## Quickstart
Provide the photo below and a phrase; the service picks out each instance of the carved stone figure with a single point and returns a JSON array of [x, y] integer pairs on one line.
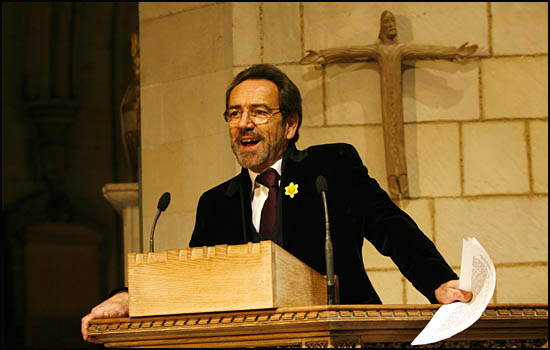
[[130, 112], [389, 54]]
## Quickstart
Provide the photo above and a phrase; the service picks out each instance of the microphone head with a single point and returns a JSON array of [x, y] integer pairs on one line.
[[321, 184], [164, 201]]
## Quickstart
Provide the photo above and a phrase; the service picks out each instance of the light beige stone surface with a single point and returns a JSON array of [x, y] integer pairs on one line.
[[184, 109], [511, 229], [281, 24], [522, 284], [388, 285], [185, 44], [413, 296], [209, 161], [432, 152], [538, 136], [368, 140], [515, 87], [441, 90], [151, 10], [163, 171], [173, 231], [246, 33], [185, 169], [310, 83], [372, 259], [495, 159], [189, 50], [353, 94], [519, 27], [236, 71], [340, 24], [421, 212], [329, 25], [152, 116]]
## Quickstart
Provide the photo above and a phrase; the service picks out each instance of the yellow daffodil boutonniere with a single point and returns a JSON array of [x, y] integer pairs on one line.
[[291, 189]]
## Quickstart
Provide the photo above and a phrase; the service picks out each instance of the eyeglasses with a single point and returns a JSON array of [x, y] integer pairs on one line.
[[258, 114]]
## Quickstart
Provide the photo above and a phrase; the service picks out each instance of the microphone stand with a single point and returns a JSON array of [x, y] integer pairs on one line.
[[151, 244], [329, 257], [322, 188], [161, 206]]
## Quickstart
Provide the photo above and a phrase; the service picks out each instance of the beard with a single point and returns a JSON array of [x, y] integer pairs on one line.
[[267, 154]]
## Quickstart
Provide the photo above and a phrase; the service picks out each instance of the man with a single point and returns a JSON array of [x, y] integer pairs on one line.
[[264, 114]]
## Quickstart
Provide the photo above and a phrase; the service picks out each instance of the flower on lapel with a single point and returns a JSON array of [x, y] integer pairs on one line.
[[291, 189]]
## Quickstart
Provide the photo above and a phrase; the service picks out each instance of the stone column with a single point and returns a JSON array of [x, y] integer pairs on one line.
[[124, 198], [51, 86]]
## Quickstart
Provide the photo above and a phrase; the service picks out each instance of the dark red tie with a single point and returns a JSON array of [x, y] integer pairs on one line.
[[270, 179]]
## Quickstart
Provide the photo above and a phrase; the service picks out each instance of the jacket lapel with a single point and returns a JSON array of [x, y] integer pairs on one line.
[[303, 214], [294, 207], [239, 192]]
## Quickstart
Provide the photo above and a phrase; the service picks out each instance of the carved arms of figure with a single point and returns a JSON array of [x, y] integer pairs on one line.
[[341, 55], [434, 51]]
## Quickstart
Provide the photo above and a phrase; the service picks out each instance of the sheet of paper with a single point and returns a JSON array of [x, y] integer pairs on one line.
[[477, 274]]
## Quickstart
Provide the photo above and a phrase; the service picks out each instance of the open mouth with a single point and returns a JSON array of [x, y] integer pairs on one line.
[[249, 141]]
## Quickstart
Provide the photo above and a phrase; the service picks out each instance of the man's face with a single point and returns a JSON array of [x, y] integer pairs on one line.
[[388, 25], [259, 146]]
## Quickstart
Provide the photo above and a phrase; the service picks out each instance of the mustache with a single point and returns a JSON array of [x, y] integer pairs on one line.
[[248, 133]]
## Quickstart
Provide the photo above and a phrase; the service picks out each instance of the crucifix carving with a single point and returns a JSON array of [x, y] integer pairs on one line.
[[389, 54]]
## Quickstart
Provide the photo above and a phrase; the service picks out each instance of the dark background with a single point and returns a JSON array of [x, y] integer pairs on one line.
[[65, 68]]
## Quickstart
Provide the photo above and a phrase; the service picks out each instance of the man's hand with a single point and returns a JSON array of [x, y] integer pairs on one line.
[[448, 293], [115, 306]]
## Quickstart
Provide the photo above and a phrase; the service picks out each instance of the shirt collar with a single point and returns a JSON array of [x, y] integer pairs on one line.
[[277, 166]]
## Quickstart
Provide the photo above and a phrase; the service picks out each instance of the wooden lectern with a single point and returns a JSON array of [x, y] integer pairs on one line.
[[257, 294], [221, 278]]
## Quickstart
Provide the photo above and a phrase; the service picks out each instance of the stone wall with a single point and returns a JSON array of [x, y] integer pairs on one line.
[[186, 57], [475, 130]]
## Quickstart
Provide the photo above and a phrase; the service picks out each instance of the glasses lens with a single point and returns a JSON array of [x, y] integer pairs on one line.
[[258, 115], [232, 115]]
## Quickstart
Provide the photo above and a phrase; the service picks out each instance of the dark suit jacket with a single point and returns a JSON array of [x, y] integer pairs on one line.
[[358, 208]]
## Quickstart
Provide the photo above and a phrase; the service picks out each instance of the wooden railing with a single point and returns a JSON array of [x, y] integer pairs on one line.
[[501, 325]]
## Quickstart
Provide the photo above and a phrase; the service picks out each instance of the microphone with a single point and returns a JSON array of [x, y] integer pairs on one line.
[[161, 206], [322, 188]]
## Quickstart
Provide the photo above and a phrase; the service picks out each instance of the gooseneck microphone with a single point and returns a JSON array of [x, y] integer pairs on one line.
[[161, 206], [322, 188]]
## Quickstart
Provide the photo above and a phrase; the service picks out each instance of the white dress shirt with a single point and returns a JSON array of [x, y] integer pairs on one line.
[[259, 194]]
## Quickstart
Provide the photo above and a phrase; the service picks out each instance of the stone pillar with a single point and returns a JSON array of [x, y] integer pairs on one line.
[[124, 198], [51, 86]]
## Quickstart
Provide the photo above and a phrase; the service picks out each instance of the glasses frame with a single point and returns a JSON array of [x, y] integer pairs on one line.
[[252, 116]]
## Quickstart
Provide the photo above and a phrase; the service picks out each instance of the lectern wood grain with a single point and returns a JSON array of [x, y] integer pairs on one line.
[[221, 278]]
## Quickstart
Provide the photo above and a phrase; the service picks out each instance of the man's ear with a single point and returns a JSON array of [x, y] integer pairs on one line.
[[291, 126]]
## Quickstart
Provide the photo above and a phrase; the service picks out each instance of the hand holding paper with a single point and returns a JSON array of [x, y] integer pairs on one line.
[[477, 274], [450, 292]]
